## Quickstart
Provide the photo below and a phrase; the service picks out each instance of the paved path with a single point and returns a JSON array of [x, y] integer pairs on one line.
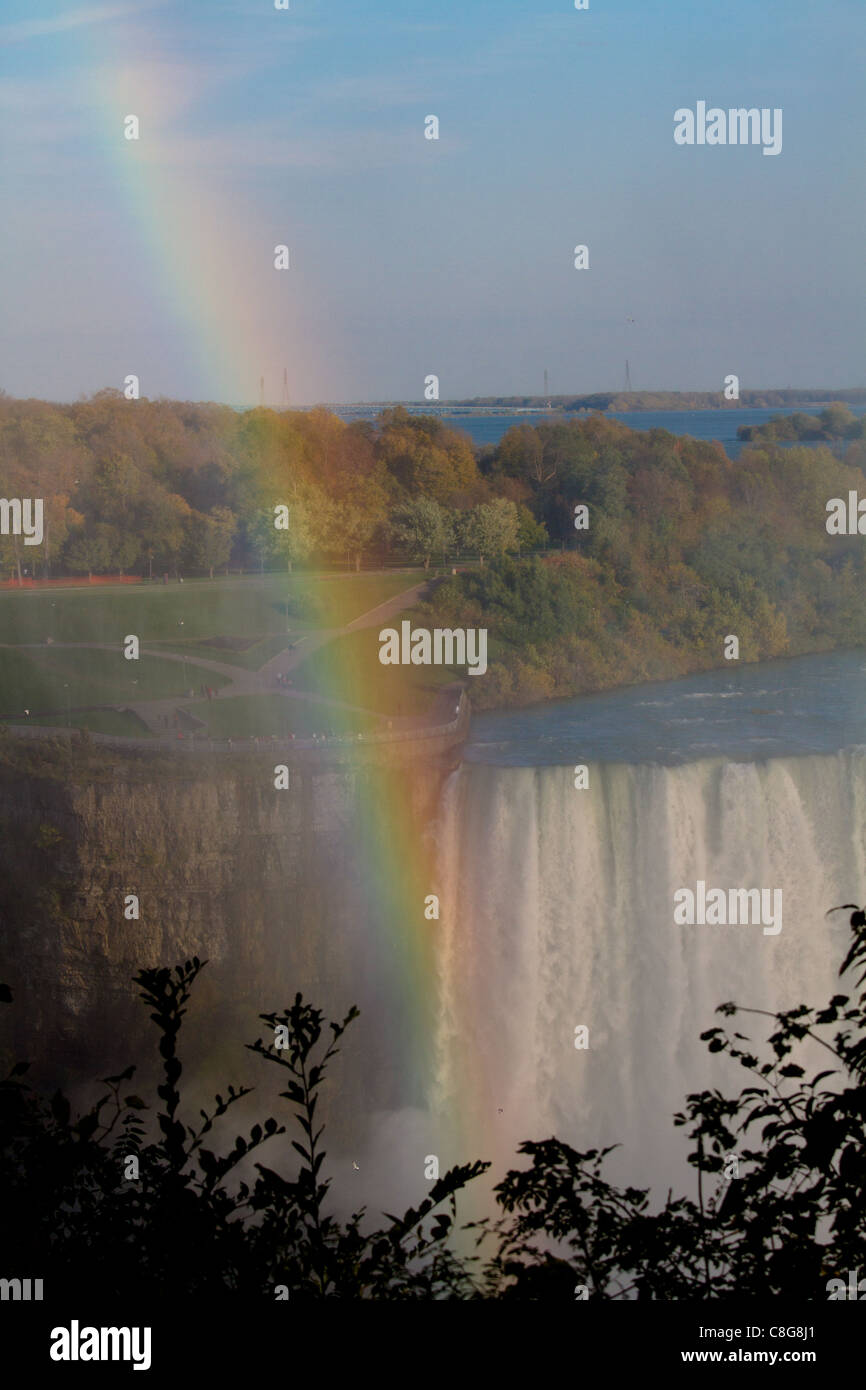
[[392, 606]]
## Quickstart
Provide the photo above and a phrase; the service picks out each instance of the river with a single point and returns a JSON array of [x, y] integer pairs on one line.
[[557, 902]]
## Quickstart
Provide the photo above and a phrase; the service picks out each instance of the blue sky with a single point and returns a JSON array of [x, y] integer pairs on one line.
[[412, 256]]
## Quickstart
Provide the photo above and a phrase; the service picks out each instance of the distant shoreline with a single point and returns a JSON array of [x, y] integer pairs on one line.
[[615, 402]]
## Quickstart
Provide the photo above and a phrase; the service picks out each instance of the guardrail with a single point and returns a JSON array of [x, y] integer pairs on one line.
[[195, 742]]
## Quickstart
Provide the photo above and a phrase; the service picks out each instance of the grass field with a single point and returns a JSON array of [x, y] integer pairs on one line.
[[50, 678], [98, 721], [248, 659], [350, 667], [262, 715], [238, 622], [197, 609]]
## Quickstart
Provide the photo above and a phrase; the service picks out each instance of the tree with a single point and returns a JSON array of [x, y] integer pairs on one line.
[[349, 524], [531, 534], [210, 538], [261, 536], [521, 454], [424, 457], [786, 1221], [285, 544], [89, 551], [123, 547], [423, 527], [198, 1222], [164, 519], [491, 528], [837, 420], [298, 540], [351, 528]]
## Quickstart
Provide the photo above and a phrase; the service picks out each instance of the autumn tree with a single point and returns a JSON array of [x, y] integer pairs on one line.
[[425, 457]]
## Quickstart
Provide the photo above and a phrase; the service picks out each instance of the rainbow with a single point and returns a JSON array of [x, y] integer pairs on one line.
[[209, 263], [212, 269]]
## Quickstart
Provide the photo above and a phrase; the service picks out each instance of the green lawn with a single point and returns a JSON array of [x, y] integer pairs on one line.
[[183, 620], [98, 721], [261, 715], [349, 668], [49, 678], [338, 601], [249, 659], [196, 609]]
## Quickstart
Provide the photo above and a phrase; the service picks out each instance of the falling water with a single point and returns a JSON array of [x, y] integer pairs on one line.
[[557, 911]]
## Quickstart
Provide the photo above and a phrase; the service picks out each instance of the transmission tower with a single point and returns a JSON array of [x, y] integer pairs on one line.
[[627, 386], [285, 388]]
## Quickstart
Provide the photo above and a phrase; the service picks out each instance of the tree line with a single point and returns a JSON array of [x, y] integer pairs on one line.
[[683, 546], [656, 545], [165, 486], [622, 401], [836, 421]]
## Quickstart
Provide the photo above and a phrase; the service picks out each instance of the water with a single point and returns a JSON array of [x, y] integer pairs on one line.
[[557, 903], [721, 425], [810, 704]]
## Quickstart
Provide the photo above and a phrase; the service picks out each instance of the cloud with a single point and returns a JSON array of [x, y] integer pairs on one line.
[[371, 90], [164, 88], [23, 29], [28, 96], [265, 145]]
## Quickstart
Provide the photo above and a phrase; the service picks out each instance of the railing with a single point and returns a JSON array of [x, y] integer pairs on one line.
[[196, 742]]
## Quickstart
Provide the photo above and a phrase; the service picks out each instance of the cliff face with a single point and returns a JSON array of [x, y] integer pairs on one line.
[[273, 888]]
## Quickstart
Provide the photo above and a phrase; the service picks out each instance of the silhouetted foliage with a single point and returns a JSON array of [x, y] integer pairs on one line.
[[202, 1220], [792, 1218], [196, 1220]]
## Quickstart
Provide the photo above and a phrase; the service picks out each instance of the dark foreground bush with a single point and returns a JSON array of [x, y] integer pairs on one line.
[[106, 1203]]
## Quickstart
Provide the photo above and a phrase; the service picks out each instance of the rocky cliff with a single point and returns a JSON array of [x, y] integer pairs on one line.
[[280, 890]]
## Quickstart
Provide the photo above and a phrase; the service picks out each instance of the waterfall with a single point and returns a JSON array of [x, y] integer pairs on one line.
[[557, 911]]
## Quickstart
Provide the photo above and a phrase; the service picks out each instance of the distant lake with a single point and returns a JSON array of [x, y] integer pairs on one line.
[[702, 424]]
